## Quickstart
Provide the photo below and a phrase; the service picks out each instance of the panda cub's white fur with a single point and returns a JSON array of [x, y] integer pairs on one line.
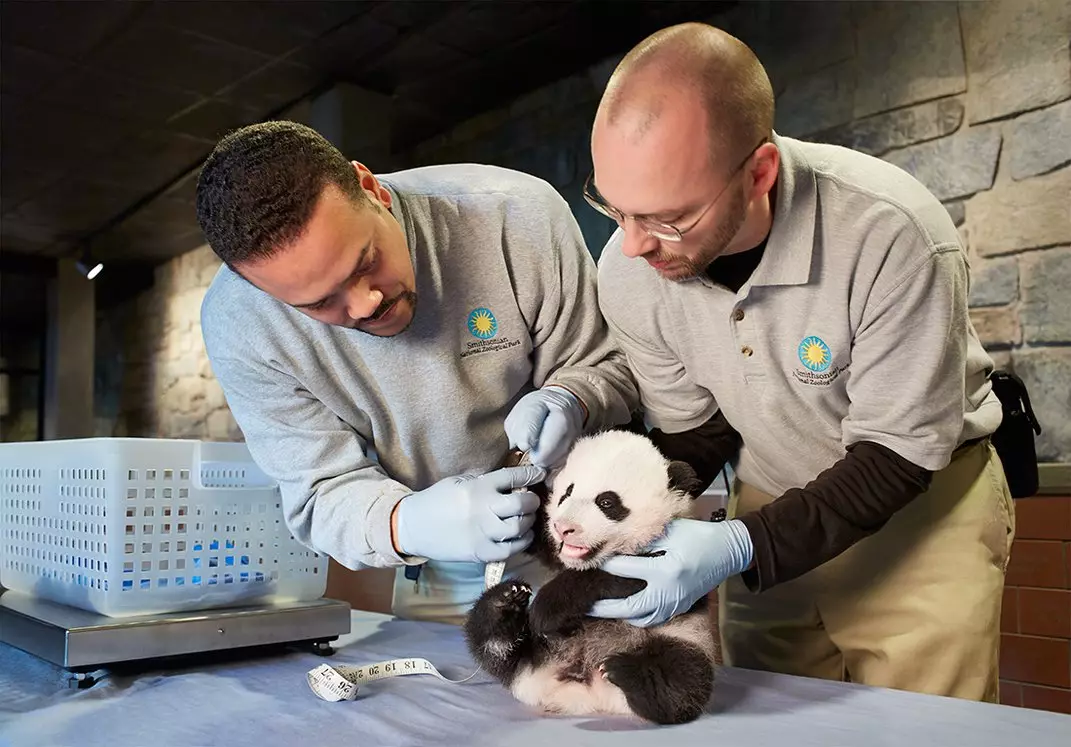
[[614, 495]]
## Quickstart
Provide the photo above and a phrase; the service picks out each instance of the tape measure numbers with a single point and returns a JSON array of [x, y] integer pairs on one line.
[[341, 683]]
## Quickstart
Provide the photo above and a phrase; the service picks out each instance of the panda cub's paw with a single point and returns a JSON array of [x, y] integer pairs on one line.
[[497, 627], [510, 595], [502, 609]]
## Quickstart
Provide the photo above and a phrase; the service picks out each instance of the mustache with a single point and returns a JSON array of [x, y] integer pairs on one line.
[[387, 303]]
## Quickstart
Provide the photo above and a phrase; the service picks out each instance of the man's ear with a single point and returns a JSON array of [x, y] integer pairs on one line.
[[682, 477], [371, 185]]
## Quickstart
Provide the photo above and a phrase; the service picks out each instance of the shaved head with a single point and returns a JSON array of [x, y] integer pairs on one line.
[[678, 149], [696, 66]]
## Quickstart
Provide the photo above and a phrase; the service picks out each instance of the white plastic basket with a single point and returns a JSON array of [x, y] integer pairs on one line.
[[129, 526]]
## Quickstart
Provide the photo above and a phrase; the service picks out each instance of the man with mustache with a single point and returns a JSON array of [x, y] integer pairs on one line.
[[383, 342], [800, 310]]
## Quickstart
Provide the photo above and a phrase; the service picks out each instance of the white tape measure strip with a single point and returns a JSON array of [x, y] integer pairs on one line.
[[492, 573], [340, 683]]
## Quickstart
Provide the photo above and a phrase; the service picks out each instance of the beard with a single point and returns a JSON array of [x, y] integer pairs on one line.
[[689, 268]]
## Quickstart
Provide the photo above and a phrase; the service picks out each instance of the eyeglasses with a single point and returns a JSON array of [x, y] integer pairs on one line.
[[657, 229]]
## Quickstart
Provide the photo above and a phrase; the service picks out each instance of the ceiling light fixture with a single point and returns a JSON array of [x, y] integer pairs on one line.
[[88, 267]]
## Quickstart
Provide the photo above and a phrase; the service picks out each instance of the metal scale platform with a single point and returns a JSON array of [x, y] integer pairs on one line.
[[83, 642]]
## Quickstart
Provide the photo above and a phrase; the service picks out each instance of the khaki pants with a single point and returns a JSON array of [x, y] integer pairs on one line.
[[915, 606]]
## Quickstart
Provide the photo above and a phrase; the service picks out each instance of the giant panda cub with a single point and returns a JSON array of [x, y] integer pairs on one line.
[[614, 494]]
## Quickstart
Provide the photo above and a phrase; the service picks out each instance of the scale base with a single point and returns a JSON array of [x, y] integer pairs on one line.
[[84, 642]]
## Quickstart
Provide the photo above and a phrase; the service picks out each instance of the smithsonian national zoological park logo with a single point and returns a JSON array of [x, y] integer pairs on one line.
[[817, 360], [483, 326], [482, 323]]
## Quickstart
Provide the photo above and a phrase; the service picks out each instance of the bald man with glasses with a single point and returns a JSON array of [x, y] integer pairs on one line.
[[799, 310]]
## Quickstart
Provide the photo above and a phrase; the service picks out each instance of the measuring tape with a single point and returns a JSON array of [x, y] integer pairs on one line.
[[341, 683]]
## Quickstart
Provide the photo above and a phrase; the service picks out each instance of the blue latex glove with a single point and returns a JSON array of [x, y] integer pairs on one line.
[[545, 423], [470, 518], [699, 555]]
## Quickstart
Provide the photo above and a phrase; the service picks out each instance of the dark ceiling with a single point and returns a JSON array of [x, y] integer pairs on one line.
[[108, 108]]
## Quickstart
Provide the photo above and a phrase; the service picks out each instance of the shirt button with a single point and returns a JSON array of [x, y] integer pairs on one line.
[[738, 315], [746, 351]]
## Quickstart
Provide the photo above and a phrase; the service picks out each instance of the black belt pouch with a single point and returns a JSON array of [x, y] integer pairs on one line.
[[1014, 439]]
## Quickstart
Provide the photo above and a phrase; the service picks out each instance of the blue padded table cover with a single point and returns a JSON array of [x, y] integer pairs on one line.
[[261, 701]]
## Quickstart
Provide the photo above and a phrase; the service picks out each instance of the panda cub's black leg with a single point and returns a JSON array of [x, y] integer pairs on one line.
[[666, 681], [496, 629]]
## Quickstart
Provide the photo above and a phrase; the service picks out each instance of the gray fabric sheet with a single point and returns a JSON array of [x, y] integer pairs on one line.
[[258, 702]]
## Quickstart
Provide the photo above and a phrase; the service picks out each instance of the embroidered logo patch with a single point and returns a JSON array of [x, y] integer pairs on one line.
[[817, 360], [814, 353], [482, 323]]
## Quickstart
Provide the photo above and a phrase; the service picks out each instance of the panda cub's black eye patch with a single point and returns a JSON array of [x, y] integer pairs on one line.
[[568, 492], [610, 504]]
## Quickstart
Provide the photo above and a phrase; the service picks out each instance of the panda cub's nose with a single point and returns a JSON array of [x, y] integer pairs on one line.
[[565, 528]]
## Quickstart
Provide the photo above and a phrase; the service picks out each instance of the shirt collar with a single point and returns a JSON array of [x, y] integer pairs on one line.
[[790, 244]]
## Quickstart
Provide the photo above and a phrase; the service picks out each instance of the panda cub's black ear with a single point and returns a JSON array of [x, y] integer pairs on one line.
[[683, 477]]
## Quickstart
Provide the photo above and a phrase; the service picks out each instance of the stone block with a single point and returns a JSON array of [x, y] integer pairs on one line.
[[1029, 214], [1046, 372], [533, 101], [573, 92], [181, 425], [214, 397], [1046, 308], [1040, 141], [209, 270], [1002, 359], [599, 73], [816, 102], [881, 133], [994, 282], [955, 166], [1017, 56], [996, 327], [906, 53], [957, 211], [219, 425], [186, 396], [792, 40]]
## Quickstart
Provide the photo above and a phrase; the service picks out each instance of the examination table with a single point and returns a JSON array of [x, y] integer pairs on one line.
[[264, 700]]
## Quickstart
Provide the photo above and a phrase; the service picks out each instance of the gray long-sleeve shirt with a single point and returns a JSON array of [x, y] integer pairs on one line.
[[315, 401]]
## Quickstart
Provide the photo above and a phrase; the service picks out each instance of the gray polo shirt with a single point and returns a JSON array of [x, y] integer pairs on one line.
[[349, 423], [853, 327]]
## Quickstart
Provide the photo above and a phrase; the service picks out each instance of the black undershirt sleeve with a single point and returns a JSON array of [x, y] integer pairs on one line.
[[705, 449], [807, 526]]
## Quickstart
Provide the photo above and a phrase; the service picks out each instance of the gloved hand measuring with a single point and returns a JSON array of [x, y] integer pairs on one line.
[[545, 423], [697, 556], [471, 518]]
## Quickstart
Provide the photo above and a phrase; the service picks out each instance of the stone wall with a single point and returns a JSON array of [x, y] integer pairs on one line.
[[153, 377], [972, 98]]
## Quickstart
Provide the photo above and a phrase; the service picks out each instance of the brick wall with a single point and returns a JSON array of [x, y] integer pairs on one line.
[[1036, 621]]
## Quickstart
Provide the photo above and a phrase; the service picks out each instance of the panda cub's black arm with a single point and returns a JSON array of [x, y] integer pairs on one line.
[[566, 599]]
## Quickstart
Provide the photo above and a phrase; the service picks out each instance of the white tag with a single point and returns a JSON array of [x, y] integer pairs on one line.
[[492, 574], [341, 682]]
